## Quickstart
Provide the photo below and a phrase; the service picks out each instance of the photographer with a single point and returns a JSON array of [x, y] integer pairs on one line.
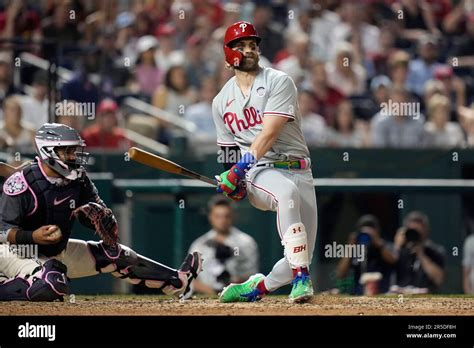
[[230, 255], [379, 255], [421, 261]]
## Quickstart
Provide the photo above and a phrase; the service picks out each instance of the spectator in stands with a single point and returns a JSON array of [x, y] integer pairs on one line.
[[176, 94], [167, 55], [113, 71], [13, 134], [398, 63], [468, 265], [399, 124], [317, 21], [35, 106], [200, 113], [80, 88], [345, 73], [196, 65], [418, 18], [455, 86], [422, 69], [103, 17], [466, 119], [440, 132], [464, 46], [272, 39], [60, 28], [379, 255], [147, 73], [380, 92], [297, 61], [144, 24], [6, 84], [454, 22], [363, 36], [184, 28], [229, 254], [433, 87], [346, 131], [105, 133], [126, 42], [312, 125], [326, 97], [421, 262], [19, 20]]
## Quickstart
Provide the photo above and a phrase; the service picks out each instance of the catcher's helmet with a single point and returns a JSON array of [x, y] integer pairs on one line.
[[239, 30], [49, 138]]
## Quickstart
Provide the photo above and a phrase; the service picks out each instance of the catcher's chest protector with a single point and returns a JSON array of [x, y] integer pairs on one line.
[[53, 206]]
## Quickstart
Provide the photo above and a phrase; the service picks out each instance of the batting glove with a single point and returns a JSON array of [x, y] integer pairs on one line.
[[239, 194], [229, 180]]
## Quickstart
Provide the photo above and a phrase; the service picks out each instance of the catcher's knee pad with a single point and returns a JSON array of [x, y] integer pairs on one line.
[[126, 264], [48, 284], [295, 242]]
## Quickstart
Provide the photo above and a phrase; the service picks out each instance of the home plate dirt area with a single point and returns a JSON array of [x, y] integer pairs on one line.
[[271, 305]]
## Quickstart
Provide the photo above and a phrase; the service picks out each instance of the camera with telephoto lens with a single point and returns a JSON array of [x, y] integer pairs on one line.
[[363, 238], [223, 252], [412, 236]]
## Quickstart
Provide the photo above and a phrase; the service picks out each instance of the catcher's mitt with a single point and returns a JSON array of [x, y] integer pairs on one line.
[[101, 219]]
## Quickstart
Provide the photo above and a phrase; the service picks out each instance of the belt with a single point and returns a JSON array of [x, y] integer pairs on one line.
[[297, 164]]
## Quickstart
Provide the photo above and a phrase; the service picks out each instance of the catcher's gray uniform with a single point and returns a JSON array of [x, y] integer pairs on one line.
[[289, 192]]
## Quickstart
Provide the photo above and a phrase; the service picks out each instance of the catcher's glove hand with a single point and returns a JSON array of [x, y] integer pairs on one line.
[[101, 219]]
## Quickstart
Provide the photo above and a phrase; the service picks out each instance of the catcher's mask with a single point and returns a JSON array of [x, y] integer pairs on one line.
[[61, 148]]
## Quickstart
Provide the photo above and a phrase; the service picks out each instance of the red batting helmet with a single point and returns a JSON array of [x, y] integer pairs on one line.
[[239, 30]]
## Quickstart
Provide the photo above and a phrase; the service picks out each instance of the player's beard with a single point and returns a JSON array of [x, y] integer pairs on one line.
[[249, 63]]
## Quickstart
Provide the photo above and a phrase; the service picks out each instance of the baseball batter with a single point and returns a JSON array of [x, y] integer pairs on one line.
[[256, 113], [39, 206]]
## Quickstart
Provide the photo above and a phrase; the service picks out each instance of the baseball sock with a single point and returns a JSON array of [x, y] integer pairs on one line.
[[262, 288], [303, 270]]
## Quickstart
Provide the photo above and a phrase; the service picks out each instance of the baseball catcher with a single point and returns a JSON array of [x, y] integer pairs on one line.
[[39, 206]]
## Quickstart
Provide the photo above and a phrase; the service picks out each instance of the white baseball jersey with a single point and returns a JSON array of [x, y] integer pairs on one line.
[[239, 120]]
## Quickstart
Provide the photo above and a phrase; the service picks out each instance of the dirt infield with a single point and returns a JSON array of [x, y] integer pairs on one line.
[[273, 305]]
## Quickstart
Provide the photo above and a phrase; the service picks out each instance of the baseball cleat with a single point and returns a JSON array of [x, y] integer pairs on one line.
[[191, 266], [244, 292], [302, 290]]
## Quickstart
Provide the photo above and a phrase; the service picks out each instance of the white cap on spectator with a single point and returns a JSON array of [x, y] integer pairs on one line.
[[146, 42]]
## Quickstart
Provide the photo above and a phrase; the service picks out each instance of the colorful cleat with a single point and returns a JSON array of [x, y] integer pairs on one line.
[[302, 290], [244, 292]]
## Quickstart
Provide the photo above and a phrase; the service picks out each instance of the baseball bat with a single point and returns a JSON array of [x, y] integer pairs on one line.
[[155, 161]]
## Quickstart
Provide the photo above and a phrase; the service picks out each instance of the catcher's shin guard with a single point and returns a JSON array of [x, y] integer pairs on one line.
[[126, 264], [48, 284]]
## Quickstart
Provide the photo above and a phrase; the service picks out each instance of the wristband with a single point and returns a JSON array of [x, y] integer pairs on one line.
[[24, 237], [246, 162]]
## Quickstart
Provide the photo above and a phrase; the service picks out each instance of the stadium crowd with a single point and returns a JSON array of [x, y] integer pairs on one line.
[[370, 73]]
